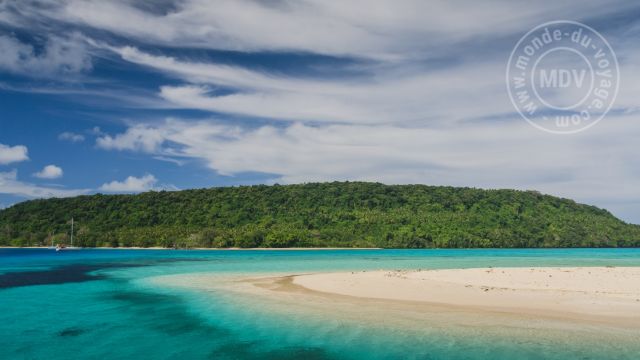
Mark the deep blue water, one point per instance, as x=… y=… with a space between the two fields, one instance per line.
x=100 y=304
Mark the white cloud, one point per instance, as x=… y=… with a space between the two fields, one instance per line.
x=131 y=184
x=382 y=29
x=70 y=136
x=49 y=172
x=61 y=56
x=404 y=95
x=9 y=184
x=402 y=38
x=137 y=137
x=397 y=95
x=11 y=154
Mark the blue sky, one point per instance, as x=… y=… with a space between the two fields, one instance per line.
x=128 y=96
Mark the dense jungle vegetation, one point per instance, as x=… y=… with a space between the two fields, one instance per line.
x=338 y=214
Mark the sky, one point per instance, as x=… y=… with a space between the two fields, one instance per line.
x=124 y=96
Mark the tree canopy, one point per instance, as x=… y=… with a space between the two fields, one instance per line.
x=337 y=214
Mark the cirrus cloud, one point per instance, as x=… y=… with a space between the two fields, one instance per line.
x=378 y=29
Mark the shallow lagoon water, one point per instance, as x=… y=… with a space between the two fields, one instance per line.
x=102 y=304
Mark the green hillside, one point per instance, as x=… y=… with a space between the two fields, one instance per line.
x=339 y=214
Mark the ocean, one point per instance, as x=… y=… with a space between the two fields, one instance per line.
x=113 y=304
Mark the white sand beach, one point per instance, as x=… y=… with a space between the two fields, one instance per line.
x=610 y=294
x=542 y=297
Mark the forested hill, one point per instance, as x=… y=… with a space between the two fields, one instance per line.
x=339 y=214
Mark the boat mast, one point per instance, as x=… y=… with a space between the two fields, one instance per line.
x=71 y=232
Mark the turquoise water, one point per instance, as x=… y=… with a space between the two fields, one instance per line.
x=100 y=304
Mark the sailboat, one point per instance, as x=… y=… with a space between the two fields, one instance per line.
x=51 y=238
x=59 y=248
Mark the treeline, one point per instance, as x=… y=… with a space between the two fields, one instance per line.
x=338 y=214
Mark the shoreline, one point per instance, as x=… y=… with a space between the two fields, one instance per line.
x=576 y=298
x=321 y=248
x=228 y=249
x=281 y=295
